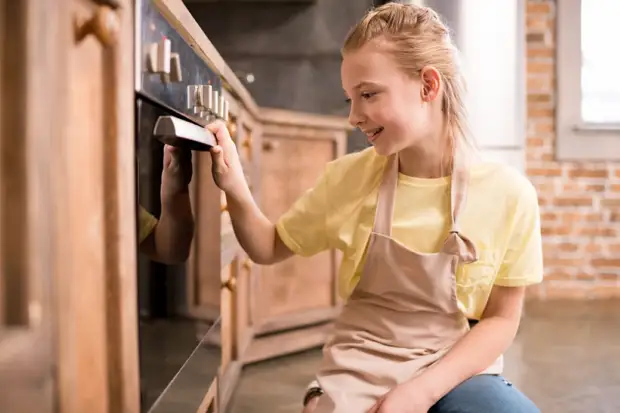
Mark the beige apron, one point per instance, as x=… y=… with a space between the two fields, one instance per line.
x=403 y=314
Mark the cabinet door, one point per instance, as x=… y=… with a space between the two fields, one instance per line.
x=26 y=227
x=96 y=227
x=293 y=301
x=67 y=220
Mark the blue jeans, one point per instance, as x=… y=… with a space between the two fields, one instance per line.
x=485 y=393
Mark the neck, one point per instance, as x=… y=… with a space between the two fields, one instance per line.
x=426 y=161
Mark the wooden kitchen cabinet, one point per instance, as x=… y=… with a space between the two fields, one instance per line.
x=293 y=302
x=68 y=320
x=269 y=311
x=68 y=293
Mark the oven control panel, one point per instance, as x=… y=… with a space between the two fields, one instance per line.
x=171 y=73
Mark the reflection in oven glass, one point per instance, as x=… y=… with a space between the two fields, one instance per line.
x=178 y=359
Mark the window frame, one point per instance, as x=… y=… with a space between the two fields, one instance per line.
x=577 y=140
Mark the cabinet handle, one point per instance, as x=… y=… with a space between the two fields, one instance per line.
x=247 y=143
x=104 y=25
x=232 y=129
x=269 y=146
x=224 y=208
x=230 y=284
x=247 y=264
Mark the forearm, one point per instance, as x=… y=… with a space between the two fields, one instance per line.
x=255 y=232
x=175 y=230
x=472 y=354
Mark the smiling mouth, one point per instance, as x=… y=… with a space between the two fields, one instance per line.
x=373 y=134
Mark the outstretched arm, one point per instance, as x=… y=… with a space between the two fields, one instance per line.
x=171 y=238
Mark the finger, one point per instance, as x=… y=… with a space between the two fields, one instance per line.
x=217 y=156
x=218 y=150
x=171 y=151
x=178 y=154
x=219 y=129
x=311 y=405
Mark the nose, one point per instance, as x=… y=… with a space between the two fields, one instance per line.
x=355 y=116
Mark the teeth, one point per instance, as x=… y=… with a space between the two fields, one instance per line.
x=373 y=132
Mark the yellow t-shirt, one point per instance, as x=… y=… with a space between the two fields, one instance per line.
x=146 y=223
x=501 y=217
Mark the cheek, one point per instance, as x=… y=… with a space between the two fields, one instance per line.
x=401 y=118
x=387 y=115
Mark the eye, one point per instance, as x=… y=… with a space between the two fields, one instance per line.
x=368 y=95
x=348 y=100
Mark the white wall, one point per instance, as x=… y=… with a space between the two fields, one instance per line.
x=491 y=37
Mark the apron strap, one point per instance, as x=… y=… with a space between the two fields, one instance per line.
x=459 y=182
x=385 y=198
x=456 y=243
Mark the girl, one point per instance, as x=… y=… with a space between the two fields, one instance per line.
x=434 y=264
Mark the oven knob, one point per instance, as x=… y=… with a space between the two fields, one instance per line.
x=195 y=100
x=221 y=106
x=207 y=95
x=226 y=108
x=160 y=60
x=163 y=56
x=193 y=96
x=216 y=103
x=175 y=68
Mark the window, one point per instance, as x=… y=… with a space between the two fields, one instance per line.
x=588 y=68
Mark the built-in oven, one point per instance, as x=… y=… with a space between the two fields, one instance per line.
x=177 y=93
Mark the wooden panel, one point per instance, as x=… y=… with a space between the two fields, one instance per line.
x=82 y=334
x=297 y=284
x=121 y=292
x=97 y=338
x=243 y=296
x=204 y=261
x=287 y=342
x=67 y=176
x=229 y=285
x=28 y=43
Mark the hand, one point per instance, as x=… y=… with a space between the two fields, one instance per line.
x=309 y=408
x=177 y=172
x=407 y=397
x=226 y=165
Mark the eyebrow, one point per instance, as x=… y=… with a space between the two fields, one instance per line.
x=364 y=83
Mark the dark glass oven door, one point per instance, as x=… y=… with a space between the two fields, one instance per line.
x=178 y=360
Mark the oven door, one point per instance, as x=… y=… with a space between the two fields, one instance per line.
x=178 y=363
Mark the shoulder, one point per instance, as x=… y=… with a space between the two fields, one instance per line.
x=505 y=184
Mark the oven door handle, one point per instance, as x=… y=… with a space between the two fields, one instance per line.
x=178 y=132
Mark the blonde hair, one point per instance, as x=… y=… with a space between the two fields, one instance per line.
x=416 y=37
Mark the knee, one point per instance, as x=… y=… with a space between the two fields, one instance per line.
x=485 y=393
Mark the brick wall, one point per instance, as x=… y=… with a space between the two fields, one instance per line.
x=580 y=202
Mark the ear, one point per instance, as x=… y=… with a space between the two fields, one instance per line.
x=431 y=83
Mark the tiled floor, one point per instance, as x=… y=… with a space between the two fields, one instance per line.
x=566 y=358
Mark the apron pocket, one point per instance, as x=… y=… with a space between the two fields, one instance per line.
x=479 y=274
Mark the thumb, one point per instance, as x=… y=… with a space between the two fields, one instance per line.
x=312 y=404
x=217 y=157
x=219 y=129
x=171 y=155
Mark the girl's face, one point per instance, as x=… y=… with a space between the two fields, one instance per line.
x=394 y=110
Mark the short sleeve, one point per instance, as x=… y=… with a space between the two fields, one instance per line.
x=146 y=224
x=303 y=227
x=523 y=261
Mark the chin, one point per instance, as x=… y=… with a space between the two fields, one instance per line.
x=384 y=149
